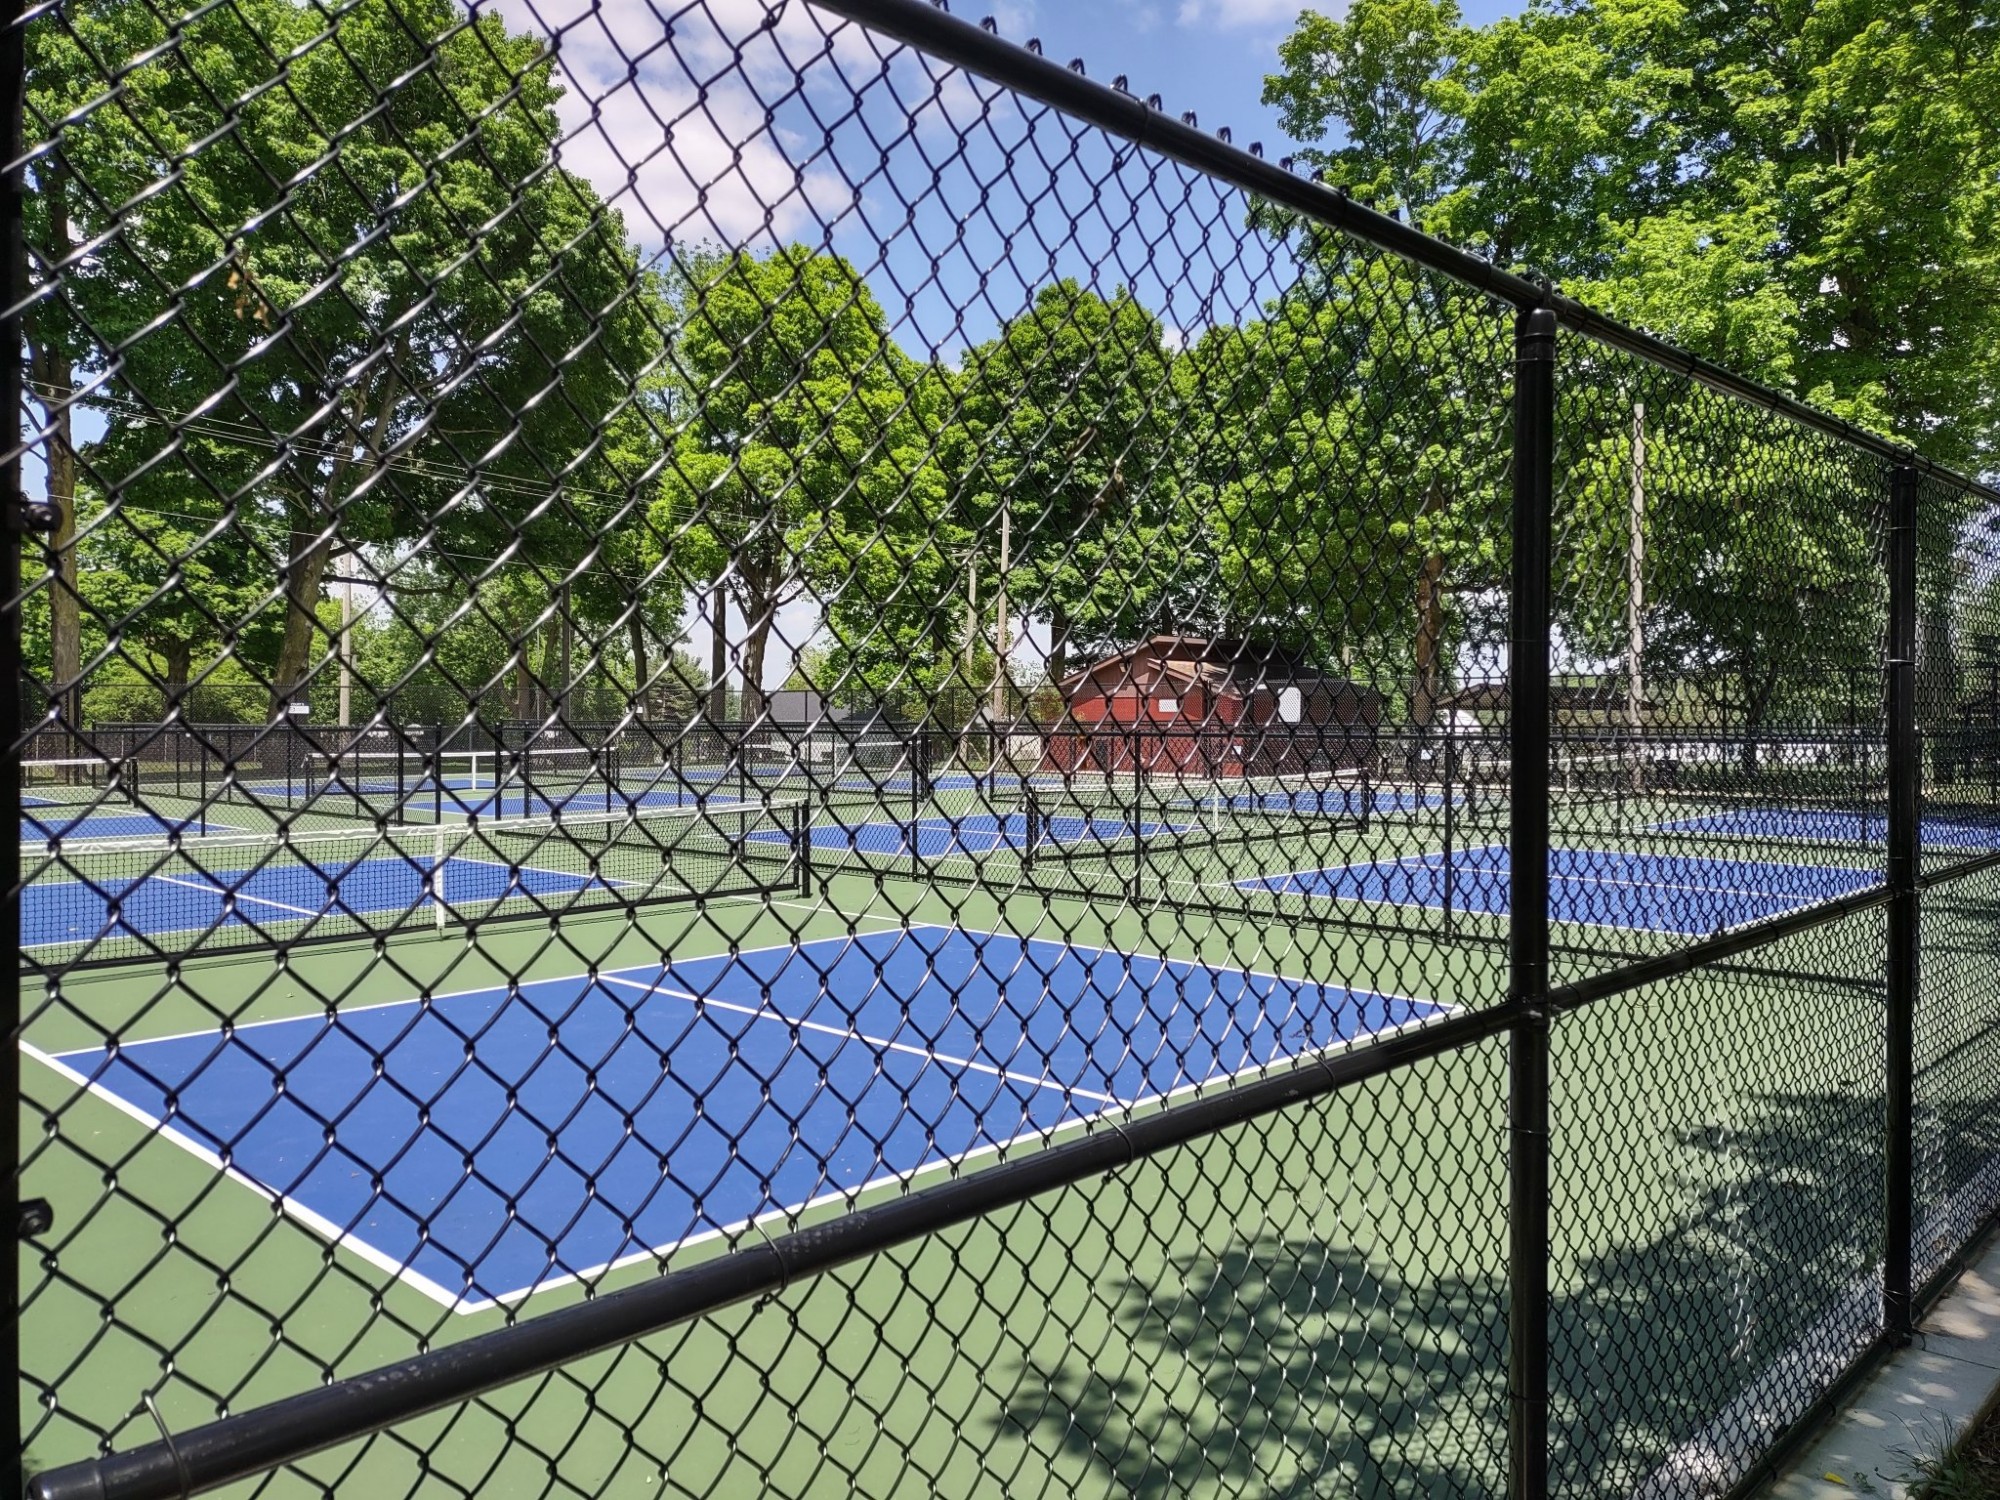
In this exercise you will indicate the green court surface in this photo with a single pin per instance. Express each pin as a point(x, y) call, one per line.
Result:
point(1354, 1245)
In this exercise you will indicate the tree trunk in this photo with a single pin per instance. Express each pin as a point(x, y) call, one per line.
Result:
point(305, 566)
point(635, 629)
point(1430, 630)
point(310, 546)
point(565, 682)
point(1756, 702)
point(1059, 629)
point(758, 617)
point(549, 699)
point(1430, 627)
point(521, 652)
point(55, 387)
point(718, 653)
point(65, 615)
point(178, 659)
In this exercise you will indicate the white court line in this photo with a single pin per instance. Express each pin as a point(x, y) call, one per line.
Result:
point(232, 896)
point(1434, 860)
point(482, 989)
point(764, 1013)
point(783, 1214)
point(317, 1222)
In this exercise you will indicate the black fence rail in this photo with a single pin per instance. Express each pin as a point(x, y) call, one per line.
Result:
point(790, 754)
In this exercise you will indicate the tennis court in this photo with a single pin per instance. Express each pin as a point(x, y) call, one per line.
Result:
point(676, 1103)
point(182, 898)
point(115, 901)
point(41, 825)
point(1686, 895)
point(1837, 826)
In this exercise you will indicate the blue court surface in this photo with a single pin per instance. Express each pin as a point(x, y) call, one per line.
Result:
point(974, 833)
point(179, 897)
point(676, 1102)
point(1684, 894)
point(1834, 825)
point(39, 827)
point(1333, 802)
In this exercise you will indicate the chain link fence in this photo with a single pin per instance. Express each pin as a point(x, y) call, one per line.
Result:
point(774, 750)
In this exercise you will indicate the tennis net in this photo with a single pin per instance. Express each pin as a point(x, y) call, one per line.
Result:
point(134, 902)
point(1578, 780)
point(1081, 818)
point(427, 783)
point(78, 781)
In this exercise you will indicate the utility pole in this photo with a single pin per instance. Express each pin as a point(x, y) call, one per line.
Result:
point(347, 647)
point(971, 609)
point(1635, 602)
point(1000, 614)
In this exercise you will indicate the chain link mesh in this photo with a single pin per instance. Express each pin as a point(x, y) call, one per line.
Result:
point(679, 640)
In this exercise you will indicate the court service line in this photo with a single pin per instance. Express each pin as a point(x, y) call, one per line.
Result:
point(845, 1033)
point(236, 897)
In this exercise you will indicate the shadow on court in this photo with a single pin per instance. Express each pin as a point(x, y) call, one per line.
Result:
point(1295, 1366)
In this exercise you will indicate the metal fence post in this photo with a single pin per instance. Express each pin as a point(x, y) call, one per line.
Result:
point(16, 518)
point(1528, 908)
point(1903, 857)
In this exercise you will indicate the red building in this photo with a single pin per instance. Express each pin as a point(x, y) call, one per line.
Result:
point(1180, 704)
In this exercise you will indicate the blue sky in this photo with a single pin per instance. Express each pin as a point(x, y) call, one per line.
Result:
point(1209, 56)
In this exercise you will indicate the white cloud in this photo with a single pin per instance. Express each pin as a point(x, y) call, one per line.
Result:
point(694, 122)
point(687, 169)
point(1015, 18)
point(670, 115)
point(1236, 15)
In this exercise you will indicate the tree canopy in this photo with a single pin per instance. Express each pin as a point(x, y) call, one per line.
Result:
point(1804, 192)
point(448, 365)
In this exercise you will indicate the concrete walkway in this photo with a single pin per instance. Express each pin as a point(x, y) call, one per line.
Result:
point(1916, 1404)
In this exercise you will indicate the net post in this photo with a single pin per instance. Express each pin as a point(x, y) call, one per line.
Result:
point(1903, 856)
point(802, 844)
point(403, 789)
point(437, 879)
point(1528, 910)
point(1447, 780)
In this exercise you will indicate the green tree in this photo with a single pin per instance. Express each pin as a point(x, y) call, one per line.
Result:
point(1350, 481)
point(168, 586)
point(1066, 423)
point(332, 354)
point(906, 632)
point(1803, 192)
point(1763, 575)
point(800, 440)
